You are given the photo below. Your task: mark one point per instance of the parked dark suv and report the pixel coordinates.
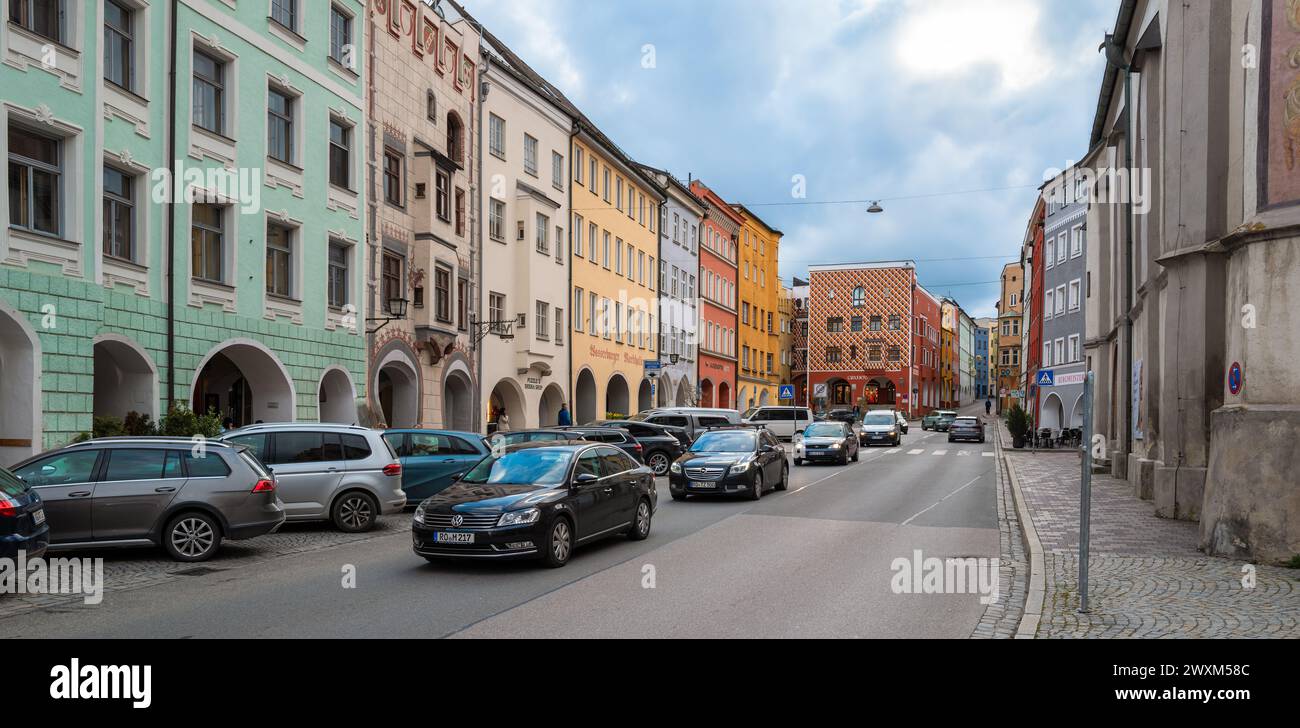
(23, 526)
(739, 460)
(165, 491)
(660, 445)
(537, 500)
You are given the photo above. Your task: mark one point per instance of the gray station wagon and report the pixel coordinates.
(166, 491)
(345, 474)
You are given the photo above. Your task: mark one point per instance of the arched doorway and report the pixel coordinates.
(336, 397)
(617, 397)
(664, 392)
(548, 406)
(764, 398)
(724, 395)
(125, 379)
(457, 401)
(877, 392)
(684, 393)
(243, 380)
(20, 388)
(397, 388)
(644, 400)
(507, 399)
(706, 393)
(1076, 412)
(743, 401)
(841, 393)
(1053, 413)
(585, 398)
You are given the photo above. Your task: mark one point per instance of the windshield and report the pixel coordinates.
(949, 415)
(10, 485)
(883, 418)
(724, 442)
(535, 466)
(824, 429)
(964, 421)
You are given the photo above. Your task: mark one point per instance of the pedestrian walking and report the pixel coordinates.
(565, 418)
(988, 407)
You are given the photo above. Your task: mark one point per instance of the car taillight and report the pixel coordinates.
(264, 485)
(8, 507)
(393, 469)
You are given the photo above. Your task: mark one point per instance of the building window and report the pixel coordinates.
(577, 164)
(462, 304)
(578, 301)
(605, 245)
(119, 214)
(207, 242)
(279, 260)
(42, 17)
(497, 220)
(497, 311)
(460, 212)
(497, 135)
(592, 178)
(455, 137)
(285, 12)
(340, 37)
(393, 177)
(1049, 254)
(1047, 353)
(832, 355)
(557, 170)
(431, 106)
(1060, 301)
(578, 246)
(209, 93)
(340, 154)
(442, 195)
(559, 244)
(859, 297)
(543, 242)
(895, 322)
(591, 300)
(1076, 241)
(530, 155)
(1074, 347)
(833, 325)
(559, 327)
(1047, 304)
(390, 286)
(338, 275)
(119, 41)
(606, 185)
(279, 129)
(1074, 295)
(875, 323)
(442, 293)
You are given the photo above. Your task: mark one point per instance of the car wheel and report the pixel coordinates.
(855, 456)
(192, 537)
(641, 524)
(559, 544)
(785, 479)
(659, 463)
(354, 512)
(756, 489)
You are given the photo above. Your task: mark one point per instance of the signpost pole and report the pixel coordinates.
(1085, 493)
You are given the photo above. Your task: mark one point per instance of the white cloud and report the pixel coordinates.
(943, 39)
(532, 30)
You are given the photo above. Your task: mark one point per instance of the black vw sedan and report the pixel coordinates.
(730, 461)
(538, 500)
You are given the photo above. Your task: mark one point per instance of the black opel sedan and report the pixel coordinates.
(539, 501)
(730, 461)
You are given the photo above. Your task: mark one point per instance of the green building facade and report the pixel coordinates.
(240, 148)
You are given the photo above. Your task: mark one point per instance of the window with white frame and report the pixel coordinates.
(279, 260)
(543, 320)
(557, 170)
(209, 92)
(1076, 241)
(578, 303)
(337, 292)
(1074, 294)
(1060, 350)
(1049, 254)
(1074, 347)
(543, 225)
(497, 219)
(1047, 304)
(1060, 301)
(530, 155)
(35, 181)
(281, 110)
(119, 43)
(207, 242)
(46, 18)
(1062, 248)
(497, 135)
(577, 235)
(285, 12)
(119, 214)
(341, 48)
(340, 160)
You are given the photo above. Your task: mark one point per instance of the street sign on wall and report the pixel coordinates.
(785, 391)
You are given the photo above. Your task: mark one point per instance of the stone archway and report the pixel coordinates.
(617, 397)
(548, 406)
(20, 387)
(457, 401)
(644, 400)
(336, 397)
(839, 393)
(1053, 413)
(1076, 412)
(724, 395)
(507, 399)
(126, 379)
(245, 381)
(585, 398)
(397, 388)
(684, 392)
(664, 391)
(764, 398)
(706, 393)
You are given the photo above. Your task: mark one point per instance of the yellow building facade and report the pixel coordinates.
(614, 280)
(759, 373)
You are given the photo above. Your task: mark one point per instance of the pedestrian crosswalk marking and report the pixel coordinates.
(940, 452)
(987, 454)
(917, 451)
(963, 452)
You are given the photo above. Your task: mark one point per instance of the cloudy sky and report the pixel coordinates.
(897, 100)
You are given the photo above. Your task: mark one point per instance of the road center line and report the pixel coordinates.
(946, 497)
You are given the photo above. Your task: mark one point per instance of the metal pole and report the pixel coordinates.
(1085, 493)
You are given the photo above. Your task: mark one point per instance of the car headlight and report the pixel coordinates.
(676, 467)
(742, 466)
(835, 446)
(519, 518)
(419, 514)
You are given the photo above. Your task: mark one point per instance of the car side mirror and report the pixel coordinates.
(584, 479)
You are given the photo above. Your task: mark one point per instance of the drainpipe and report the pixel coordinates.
(1128, 259)
(477, 250)
(171, 216)
(573, 380)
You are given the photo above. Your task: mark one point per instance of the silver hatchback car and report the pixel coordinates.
(345, 474)
(165, 491)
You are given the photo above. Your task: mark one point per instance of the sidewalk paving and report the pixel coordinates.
(1146, 577)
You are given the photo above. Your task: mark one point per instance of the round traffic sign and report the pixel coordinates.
(1235, 378)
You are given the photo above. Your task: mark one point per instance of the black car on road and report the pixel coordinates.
(965, 428)
(539, 501)
(730, 461)
(660, 445)
(22, 519)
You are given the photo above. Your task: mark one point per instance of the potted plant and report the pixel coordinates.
(1018, 424)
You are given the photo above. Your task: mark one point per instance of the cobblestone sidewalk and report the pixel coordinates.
(1146, 577)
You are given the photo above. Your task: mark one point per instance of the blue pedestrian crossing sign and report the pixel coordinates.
(1046, 378)
(786, 391)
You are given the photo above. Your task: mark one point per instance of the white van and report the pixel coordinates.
(783, 422)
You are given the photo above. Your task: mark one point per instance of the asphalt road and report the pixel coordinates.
(814, 561)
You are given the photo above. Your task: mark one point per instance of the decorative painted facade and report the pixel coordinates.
(760, 288)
